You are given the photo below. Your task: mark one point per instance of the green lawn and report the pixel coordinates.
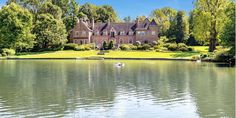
(115, 54)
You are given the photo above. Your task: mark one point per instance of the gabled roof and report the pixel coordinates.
(153, 23)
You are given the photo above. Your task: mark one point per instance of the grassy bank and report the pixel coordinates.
(115, 54)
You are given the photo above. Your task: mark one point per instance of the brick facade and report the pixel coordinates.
(121, 33)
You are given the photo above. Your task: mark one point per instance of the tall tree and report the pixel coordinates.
(50, 32)
(89, 10)
(179, 28)
(70, 10)
(182, 28)
(228, 34)
(15, 28)
(209, 20)
(52, 9)
(98, 13)
(127, 19)
(164, 17)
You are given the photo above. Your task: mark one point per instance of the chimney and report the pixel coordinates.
(108, 22)
(137, 22)
(92, 23)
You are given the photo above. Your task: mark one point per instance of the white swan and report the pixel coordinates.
(119, 64)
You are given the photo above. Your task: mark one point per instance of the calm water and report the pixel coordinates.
(141, 89)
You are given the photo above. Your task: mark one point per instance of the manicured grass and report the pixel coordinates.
(112, 54)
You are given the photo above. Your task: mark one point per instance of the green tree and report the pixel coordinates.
(70, 10)
(209, 19)
(52, 9)
(111, 45)
(141, 18)
(104, 45)
(15, 28)
(164, 17)
(89, 10)
(50, 32)
(98, 13)
(179, 28)
(228, 34)
(127, 19)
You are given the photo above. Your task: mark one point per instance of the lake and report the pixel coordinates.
(140, 89)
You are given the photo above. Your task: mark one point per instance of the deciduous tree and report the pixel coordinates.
(15, 28)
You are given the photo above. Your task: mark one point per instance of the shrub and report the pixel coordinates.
(172, 47)
(182, 45)
(183, 49)
(80, 48)
(221, 55)
(7, 52)
(133, 47)
(146, 47)
(166, 45)
(70, 46)
(190, 49)
(125, 47)
(111, 45)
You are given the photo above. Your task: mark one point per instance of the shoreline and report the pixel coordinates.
(109, 58)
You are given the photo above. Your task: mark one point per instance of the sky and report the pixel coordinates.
(136, 8)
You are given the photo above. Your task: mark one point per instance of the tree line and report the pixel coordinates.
(36, 25)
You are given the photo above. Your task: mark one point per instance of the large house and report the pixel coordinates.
(121, 33)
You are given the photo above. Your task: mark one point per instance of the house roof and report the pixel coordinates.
(118, 27)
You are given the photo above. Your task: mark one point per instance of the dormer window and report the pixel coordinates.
(104, 33)
(97, 33)
(122, 32)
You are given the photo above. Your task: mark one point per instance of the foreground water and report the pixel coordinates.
(145, 89)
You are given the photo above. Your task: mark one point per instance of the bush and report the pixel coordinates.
(180, 45)
(125, 47)
(221, 55)
(166, 45)
(80, 48)
(7, 52)
(172, 47)
(183, 49)
(190, 49)
(70, 46)
(146, 47)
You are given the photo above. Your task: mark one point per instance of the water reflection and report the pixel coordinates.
(97, 88)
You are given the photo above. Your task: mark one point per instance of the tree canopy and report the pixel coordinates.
(16, 19)
(98, 13)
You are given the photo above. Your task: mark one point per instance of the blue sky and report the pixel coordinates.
(135, 8)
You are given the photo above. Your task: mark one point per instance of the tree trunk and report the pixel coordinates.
(213, 37)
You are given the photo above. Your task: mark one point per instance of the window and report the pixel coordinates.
(112, 34)
(77, 33)
(122, 32)
(153, 33)
(141, 33)
(104, 33)
(97, 33)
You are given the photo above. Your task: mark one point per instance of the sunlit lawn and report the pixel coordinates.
(111, 54)
(115, 54)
